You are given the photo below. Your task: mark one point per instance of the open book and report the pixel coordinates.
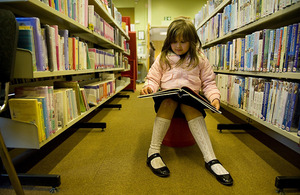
(183, 92)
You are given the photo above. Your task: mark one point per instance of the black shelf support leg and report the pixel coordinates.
(245, 126)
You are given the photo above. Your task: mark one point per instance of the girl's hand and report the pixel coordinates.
(146, 90)
(216, 103)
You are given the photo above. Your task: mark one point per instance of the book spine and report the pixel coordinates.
(287, 47)
(243, 55)
(297, 48)
(288, 105)
(265, 100)
(291, 53)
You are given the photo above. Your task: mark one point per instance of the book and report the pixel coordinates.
(65, 35)
(28, 111)
(26, 41)
(50, 42)
(186, 93)
(292, 49)
(75, 86)
(39, 50)
(287, 47)
(296, 67)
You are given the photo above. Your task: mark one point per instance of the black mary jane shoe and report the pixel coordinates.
(161, 172)
(223, 179)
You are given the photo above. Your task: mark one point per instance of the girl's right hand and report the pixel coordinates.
(146, 90)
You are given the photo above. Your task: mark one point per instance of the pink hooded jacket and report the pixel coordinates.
(199, 78)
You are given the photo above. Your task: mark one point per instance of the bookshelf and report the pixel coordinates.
(280, 18)
(274, 20)
(24, 64)
(26, 136)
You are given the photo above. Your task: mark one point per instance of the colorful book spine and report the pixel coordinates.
(40, 53)
(65, 34)
(296, 67)
(292, 49)
(287, 47)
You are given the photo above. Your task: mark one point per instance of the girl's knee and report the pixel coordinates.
(170, 103)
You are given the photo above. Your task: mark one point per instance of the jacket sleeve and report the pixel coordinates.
(154, 75)
(207, 77)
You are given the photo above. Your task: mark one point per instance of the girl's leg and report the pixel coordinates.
(160, 128)
(198, 129)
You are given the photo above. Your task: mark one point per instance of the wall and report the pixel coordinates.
(173, 8)
(158, 9)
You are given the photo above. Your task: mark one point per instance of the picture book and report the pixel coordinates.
(183, 92)
(28, 111)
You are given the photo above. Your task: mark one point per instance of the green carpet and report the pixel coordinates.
(114, 162)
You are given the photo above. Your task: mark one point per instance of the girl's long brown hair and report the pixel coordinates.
(184, 28)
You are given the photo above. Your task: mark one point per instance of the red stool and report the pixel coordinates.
(179, 134)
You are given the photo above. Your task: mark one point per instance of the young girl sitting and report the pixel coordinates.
(181, 63)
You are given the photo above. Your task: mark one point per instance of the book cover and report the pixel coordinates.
(265, 102)
(50, 42)
(265, 49)
(283, 48)
(277, 63)
(287, 47)
(271, 51)
(296, 115)
(65, 34)
(260, 52)
(273, 92)
(46, 119)
(75, 86)
(259, 94)
(39, 51)
(183, 92)
(293, 105)
(59, 102)
(28, 111)
(243, 55)
(57, 46)
(26, 41)
(292, 49)
(40, 91)
(276, 50)
(282, 104)
(255, 49)
(296, 67)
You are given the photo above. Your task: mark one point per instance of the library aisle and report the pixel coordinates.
(114, 161)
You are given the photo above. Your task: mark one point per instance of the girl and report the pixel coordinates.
(181, 63)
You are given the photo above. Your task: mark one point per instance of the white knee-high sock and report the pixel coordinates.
(198, 129)
(160, 128)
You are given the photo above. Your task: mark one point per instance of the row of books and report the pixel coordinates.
(79, 10)
(54, 50)
(238, 14)
(101, 59)
(268, 50)
(97, 92)
(274, 101)
(51, 108)
(75, 9)
(206, 10)
(97, 24)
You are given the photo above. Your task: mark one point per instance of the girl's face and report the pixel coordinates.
(180, 46)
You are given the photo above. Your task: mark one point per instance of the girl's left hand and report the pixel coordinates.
(216, 103)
